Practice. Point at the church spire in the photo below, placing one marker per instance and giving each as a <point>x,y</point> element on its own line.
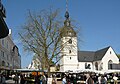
<point>67,14</point>
<point>67,29</point>
<point>67,21</point>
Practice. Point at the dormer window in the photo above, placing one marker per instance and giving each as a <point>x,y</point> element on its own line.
<point>70,41</point>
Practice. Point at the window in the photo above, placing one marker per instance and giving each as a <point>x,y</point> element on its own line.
<point>69,51</point>
<point>3,42</point>
<point>101,66</point>
<point>7,57</point>
<point>2,53</point>
<point>96,65</point>
<point>7,44</point>
<point>110,62</point>
<point>110,52</point>
<point>87,66</point>
<point>70,41</point>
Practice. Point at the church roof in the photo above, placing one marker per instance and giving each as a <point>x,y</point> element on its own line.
<point>67,29</point>
<point>85,56</point>
<point>100,53</point>
<point>90,56</point>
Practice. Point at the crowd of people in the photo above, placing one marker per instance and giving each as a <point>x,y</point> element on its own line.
<point>65,78</point>
<point>24,79</point>
<point>88,78</point>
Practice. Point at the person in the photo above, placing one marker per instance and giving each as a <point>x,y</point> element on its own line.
<point>40,79</point>
<point>89,80</point>
<point>103,80</point>
<point>36,80</point>
<point>16,78</point>
<point>68,81</point>
<point>54,80</point>
<point>115,78</point>
<point>64,80</point>
<point>22,80</point>
<point>43,79</point>
<point>99,79</point>
<point>13,75</point>
<point>3,79</point>
<point>95,79</point>
<point>74,79</point>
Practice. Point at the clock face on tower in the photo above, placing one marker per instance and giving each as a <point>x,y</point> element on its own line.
<point>70,41</point>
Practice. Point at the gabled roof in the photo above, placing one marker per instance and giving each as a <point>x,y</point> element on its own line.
<point>90,56</point>
<point>100,53</point>
<point>86,56</point>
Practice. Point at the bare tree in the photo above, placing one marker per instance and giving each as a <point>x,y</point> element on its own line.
<point>41,35</point>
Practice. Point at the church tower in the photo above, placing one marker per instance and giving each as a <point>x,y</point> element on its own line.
<point>68,61</point>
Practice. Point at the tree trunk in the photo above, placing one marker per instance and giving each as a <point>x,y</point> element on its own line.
<point>48,71</point>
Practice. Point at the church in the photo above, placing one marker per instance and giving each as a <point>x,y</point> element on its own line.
<point>72,59</point>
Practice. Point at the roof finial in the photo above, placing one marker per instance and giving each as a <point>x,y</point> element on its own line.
<point>67,14</point>
<point>66,5</point>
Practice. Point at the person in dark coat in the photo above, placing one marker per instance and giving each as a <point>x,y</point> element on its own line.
<point>16,78</point>
<point>22,80</point>
<point>89,80</point>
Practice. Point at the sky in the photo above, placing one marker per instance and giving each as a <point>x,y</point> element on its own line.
<point>99,21</point>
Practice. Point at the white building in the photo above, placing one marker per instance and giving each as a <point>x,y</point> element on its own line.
<point>71,59</point>
<point>102,60</point>
<point>35,64</point>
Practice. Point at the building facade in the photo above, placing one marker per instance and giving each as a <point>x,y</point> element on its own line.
<point>69,42</point>
<point>9,54</point>
<point>72,59</point>
<point>101,60</point>
<point>35,64</point>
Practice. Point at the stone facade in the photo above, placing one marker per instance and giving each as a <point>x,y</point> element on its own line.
<point>9,54</point>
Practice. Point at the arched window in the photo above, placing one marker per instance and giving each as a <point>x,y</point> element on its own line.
<point>110,64</point>
<point>96,65</point>
<point>101,66</point>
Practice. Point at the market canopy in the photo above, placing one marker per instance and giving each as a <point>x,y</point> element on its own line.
<point>29,70</point>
